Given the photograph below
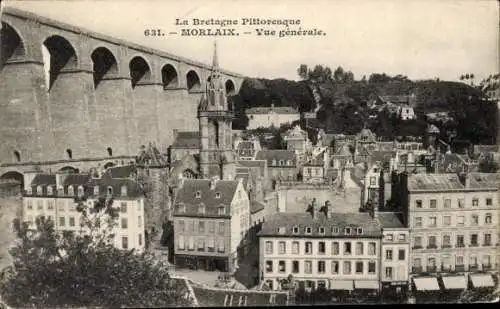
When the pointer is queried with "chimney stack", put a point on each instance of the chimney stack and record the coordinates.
(213, 182)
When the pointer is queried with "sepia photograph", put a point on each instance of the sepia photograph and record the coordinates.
(234, 153)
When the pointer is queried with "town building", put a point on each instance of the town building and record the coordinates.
(395, 252)
(321, 249)
(453, 221)
(211, 220)
(186, 143)
(274, 116)
(406, 112)
(247, 149)
(296, 140)
(281, 164)
(55, 197)
(315, 167)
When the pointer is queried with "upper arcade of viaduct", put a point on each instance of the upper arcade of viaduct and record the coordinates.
(69, 94)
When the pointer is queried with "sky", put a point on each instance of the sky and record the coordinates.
(417, 38)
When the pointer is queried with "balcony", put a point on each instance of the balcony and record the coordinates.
(432, 247)
(460, 268)
(431, 269)
(417, 269)
(473, 267)
(417, 247)
(460, 246)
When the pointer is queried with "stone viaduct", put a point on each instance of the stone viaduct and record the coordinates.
(69, 96)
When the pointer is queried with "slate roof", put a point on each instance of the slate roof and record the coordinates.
(151, 156)
(256, 206)
(451, 182)
(382, 155)
(370, 226)
(432, 129)
(343, 151)
(134, 189)
(44, 180)
(277, 154)
(391, 220)
(187, 139)
(187, 196)
(267, 110)
(125, 171)
(261, 164)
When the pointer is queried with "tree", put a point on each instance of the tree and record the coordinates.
(84, 268)
(303, 72)
(338, 74)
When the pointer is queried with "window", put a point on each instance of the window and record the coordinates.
(486, 260)
(461, 203)
(221, 227)
(432, 221)
(96, 190)
(180, 243)
(359, 248)
(222, 247)
(472, 260)
(347, 248)
(29, 204)
(39, 205)
(321, 230)
(360, 230)
(446, 241)
(309, 246)
(418, 203)
(447, 220)
(201, 244)
(373, 181)
(335, 230)
(460, 220)
(401, 254)
(295, 230)
(295, 247)
(282, 247)
(417, 242)
(372, 248)
(181, 225)
(39, 190)
(431, 242)
(308, 267)
(124, 223)
(308, 230)
(488, 219)
(217, 195)
(433, 204)
(418, 221)
(123, 207)
(211, 227)
(60, 205)
(321, 267)
(335, 267)
(371, 267)
(71, 191)
(335, 248)
(221, 211)
(72, 221)
(489, 201)
(321, 247)
(388, 272)
(389, 237)
(460, 241)
(447, 203)
(402, 237)
(50, 205)
(62, 221)
(475, 202)
(201, 227)
(139, 239)
(475, 220)
(473, 240)
(269, 266)
(388, 254)
(198, 194)
(417, 262)
(201, 209)
(282, 230)
(211, 245)
(459, 260)
(110, 190)
(295, 267)
(125, 242)
(269, 247)
(347, 231)
(359, 267)
(347, 268)
(487, 240)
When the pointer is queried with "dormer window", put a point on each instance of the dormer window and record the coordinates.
(110, 190)
(71, 191)
(60, 191)
(321, 230)
(50, 191)
(221, 210)
(217, 194)
(308, 230)
(347, 231)
(282, 162)
(80, 190)
(39, 190)
(96, 190)
(124, 191)
(274, 162)
(360, 231)
(29, 191)
(201, 209)
(335, 230)
(198, 194)
(295, 230)
(181, 208)
(281, 230)
(289, 162)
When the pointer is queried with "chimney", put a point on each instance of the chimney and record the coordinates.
(314, 209)
(464, 179)
(326, 209)
(213, 182)
(180, 178)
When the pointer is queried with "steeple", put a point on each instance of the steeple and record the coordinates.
(215, 59)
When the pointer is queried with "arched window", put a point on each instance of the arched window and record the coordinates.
(110, 151)
(50, 191)
(201, 209)
(60, 191)
(80, 190)
(96, 190)
(69, 153)
(110, 190)
(39, 190)
(124, 190)
(71, 191)
(17, 156)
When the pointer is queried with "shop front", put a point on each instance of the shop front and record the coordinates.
(454, 287)
(366, 290)
(426, 290)
(341, 290)
(481, 286)
(207, 263)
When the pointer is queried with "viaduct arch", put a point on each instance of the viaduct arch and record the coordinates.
(67, 93)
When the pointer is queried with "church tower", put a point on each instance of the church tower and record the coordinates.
(215, 120)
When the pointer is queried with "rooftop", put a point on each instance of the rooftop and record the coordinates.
(187, 139)
(151, 156)
(276, 154)
(275, 109)
(390, 220)
(124, 171)
(282, 224)
(256, 206)
(452, 182)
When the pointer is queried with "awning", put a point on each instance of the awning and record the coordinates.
(366, 285)
(426, 284)
(482, 280)
(345, 285)
(454, 282)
